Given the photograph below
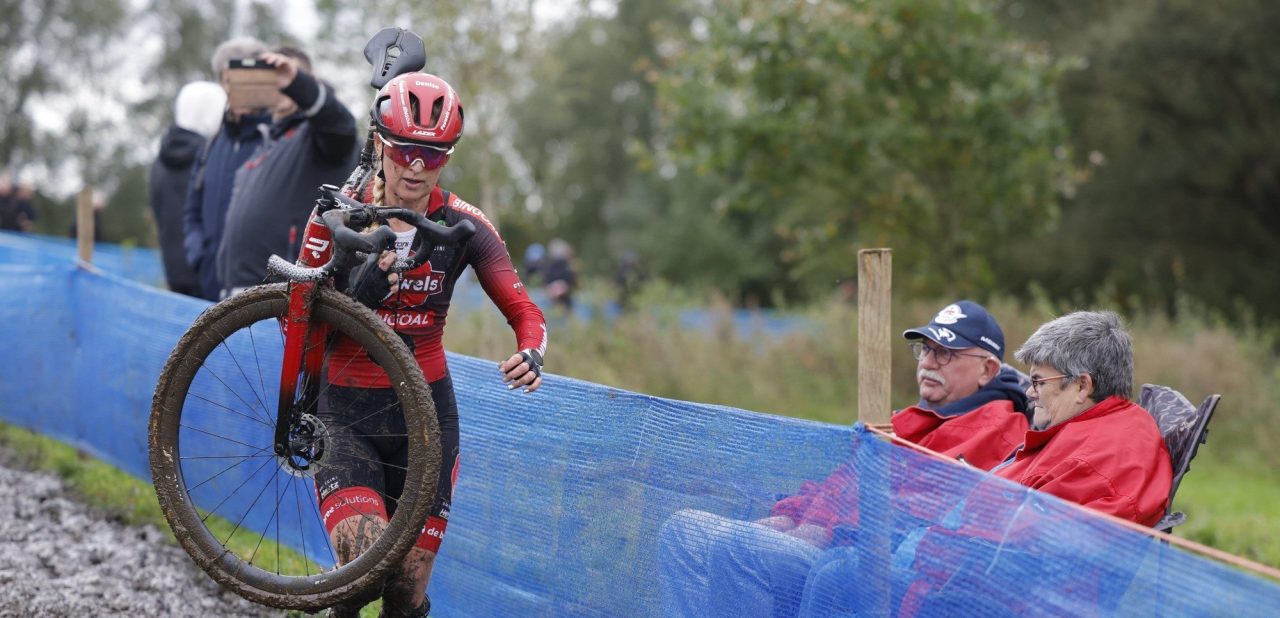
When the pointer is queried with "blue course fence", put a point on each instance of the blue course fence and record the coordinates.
(584, 500)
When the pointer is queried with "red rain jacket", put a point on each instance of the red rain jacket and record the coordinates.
(1111, 458)
(985, 436)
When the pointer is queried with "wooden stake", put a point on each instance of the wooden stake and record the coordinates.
(84, 224)
(875, 283)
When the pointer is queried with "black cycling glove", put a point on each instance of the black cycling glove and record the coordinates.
(534, 359)
(368, 283)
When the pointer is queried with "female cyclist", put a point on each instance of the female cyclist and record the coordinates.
(418, 120)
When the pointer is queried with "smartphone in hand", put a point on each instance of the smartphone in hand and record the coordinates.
(251, 84)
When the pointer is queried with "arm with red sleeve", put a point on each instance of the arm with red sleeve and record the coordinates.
(826, 505)
(497, 275)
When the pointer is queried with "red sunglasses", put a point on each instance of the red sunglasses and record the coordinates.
(406, 154)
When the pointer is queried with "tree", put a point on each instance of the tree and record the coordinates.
(480, 49)
(91, 100)
(1176, 115)
(921, 125)
(586, 124)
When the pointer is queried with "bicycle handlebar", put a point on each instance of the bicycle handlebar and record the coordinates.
(343, 215)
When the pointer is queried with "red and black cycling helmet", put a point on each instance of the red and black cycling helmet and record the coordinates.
(418, 108)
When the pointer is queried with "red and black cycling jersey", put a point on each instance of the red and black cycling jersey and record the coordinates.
(416, 307)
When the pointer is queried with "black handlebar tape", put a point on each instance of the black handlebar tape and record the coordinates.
(384, 238)
(346, 237)
(436, 233)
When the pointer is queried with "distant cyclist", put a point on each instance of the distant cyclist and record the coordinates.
(418, 120)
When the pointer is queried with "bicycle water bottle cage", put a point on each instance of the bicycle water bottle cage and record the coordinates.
(392, 52)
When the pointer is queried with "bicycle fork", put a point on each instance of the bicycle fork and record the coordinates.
(304, 347)
(303, 362)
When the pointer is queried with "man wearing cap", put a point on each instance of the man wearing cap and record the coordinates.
(971, 407)
(968, 397)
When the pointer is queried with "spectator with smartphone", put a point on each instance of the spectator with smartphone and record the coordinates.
(311, 141)
(197, 115)
(213, 175)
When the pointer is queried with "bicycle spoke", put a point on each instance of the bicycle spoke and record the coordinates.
(300, 532)
(248, 510)
(380, 462)
(306, 557)
(306, 351)
(315, 509)
(233, 391)
(224, 471)
(195, 457)
(245, 376)
(333, 377)
(257, 362)
(275, 479)
(222, 437)
(254, 419)
(369, 415)
(233, 492)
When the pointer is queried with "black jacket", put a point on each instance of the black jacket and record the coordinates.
(277, 187)
(209, 194)
(170, 174)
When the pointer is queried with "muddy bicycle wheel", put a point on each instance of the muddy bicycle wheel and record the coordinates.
(246, 512)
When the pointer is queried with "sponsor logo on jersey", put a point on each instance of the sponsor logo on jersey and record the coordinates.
(415, 287)
(408, 319)
(460, 205)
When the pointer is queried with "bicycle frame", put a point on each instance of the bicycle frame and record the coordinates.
(303, 341)
(327, 247)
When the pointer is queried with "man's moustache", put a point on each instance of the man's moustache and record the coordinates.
(932, 375)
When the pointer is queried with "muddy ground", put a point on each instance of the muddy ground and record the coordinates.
(58, 557)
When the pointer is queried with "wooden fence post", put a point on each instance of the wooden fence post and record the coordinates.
(84, 224)
(875, 282)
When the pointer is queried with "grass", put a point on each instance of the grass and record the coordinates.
(1232, 506)
(120, 495)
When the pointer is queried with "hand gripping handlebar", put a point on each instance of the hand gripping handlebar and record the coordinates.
(343, 216)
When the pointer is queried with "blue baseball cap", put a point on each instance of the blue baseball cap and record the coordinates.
(960, 325)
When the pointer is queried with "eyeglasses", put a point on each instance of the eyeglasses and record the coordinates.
(1036, 383)
(406, 155)
(940, 354)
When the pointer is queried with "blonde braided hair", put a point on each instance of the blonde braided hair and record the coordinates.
(379, 191)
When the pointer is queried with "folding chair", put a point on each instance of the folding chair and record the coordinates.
(1184, 427)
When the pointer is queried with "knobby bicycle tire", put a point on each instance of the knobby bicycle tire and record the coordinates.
(308, 591)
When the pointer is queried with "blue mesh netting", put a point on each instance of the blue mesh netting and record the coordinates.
(582, 500)
(139, 264)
